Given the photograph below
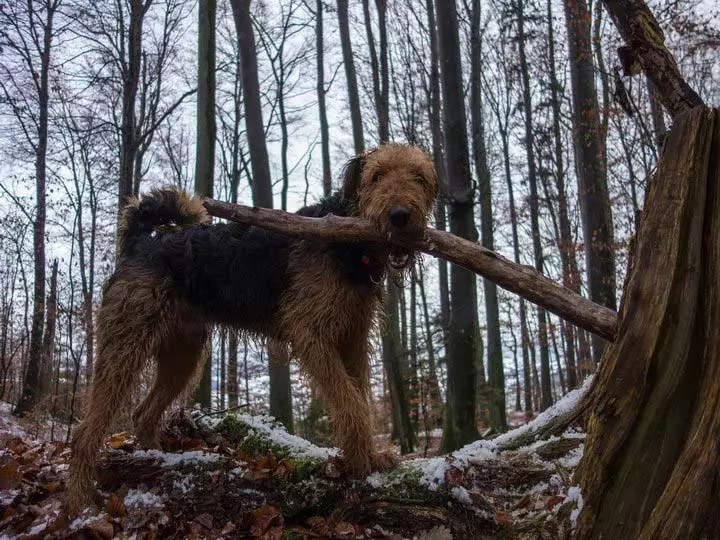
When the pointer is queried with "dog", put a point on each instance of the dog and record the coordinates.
(177, 275)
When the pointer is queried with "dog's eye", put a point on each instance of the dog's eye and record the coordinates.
(376, 177)
(419, 179)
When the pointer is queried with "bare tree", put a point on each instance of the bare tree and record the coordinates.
(27, 33)
(460, 410)
(278, 360)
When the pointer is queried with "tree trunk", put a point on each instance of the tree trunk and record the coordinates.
(322, 110)
(592, 177)
(131, 80)
(546, 394)
(205, 150)
(652, 450)
(433, 388)
(566, 245)
(393, 363)
(435, 119)
(279, 368)
(496, 371)
(460, 425)
(352, 86)
(30, 393)
(48, 345)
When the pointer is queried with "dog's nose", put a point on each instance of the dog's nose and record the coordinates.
(399, 216)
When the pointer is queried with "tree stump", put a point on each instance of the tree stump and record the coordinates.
(651, 467)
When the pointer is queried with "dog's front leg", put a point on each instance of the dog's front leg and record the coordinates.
(348, 401)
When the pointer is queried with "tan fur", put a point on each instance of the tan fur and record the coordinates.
(326, 322)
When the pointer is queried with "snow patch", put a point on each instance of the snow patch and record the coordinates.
(461, 494)
(171, 460)
(574, 494)
(142, 499)
(275, 433)
(433, 470)
(572, 459)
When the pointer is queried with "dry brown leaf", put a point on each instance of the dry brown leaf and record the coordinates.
(101, 527)
(115, 506)
(118, 440)
(553, 501)
(10, 476)
(501, 518)
(206, 520)
(343, 528)
(228, 528)
(453, 477)
(319, 526)
(263, 518)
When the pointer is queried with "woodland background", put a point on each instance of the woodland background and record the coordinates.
(103, 100)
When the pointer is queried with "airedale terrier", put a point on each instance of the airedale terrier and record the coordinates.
(177, 275)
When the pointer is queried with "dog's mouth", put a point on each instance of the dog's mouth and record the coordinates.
(399, 258)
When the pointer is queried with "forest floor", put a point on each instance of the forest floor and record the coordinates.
(244, 477)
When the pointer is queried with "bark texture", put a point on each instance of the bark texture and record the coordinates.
(650, 467)
(645, 50)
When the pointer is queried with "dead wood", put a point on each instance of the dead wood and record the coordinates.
(522, 280)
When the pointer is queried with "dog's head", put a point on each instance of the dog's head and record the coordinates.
(393, 186)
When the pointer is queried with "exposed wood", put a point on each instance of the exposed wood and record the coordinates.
(652, 455)
(645, 49)
(516, 278)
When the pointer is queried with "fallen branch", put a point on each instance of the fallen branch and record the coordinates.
(522, 280)
(645, 50)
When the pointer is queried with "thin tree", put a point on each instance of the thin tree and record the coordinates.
(278, 361)
(28, 34)
(352, 85)
(496, 371)
(205, 149)
(545, 387)
(591, 174)
(460, 425)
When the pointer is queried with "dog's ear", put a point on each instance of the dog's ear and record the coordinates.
(352, 176)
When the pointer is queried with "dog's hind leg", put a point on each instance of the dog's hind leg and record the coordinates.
(129, 330)
(177, 361)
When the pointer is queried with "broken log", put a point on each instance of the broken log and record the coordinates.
(645, 51)
(519, 279)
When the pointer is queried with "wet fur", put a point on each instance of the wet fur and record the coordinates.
(178, 275)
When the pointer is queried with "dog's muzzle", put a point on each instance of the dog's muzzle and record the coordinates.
(399, 216)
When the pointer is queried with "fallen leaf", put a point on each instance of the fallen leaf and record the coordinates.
(206, 520)
(115, 506)
(101, 527)
(501, 518)
(118, 440)
(522, 503)
(553, 501)
(319, 526)
(228, 528)
(453, 477)
(263, 518)
(10, 476)
(343, 528)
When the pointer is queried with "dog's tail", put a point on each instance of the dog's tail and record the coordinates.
(168, 207)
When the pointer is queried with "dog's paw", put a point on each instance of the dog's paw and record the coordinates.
(383, 461)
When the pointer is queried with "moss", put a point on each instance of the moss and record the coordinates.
(401, 482)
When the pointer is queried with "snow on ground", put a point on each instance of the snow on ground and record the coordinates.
(267, 427)
(142, 499)
(433, 470)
